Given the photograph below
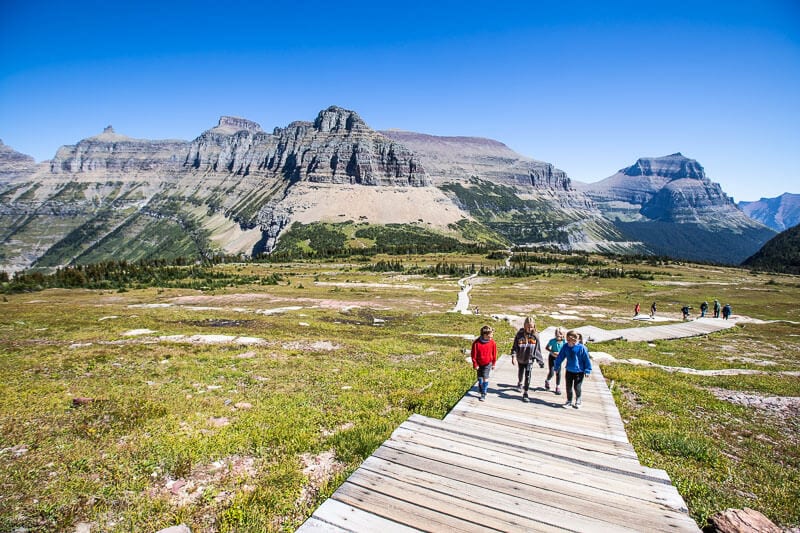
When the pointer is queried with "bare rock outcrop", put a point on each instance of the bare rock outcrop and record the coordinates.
(13, 164)
(740, 521)
(338, 147)
(460, 158)
(113, 154)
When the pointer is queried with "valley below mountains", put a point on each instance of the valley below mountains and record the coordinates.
(336, 184)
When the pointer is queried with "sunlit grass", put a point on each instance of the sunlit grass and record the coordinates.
(340, 374)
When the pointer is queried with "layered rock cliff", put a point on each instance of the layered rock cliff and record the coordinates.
(338, 147)
(671, 204)
(456, 158)
(113, 154)
(235, 189)
(14, 164)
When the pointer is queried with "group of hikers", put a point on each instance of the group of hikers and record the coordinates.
(527, 349)
(726, 310)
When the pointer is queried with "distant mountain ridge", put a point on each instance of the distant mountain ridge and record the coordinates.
(236, 189)
(780, 213)
(671, 204)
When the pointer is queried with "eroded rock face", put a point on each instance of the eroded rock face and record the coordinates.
(674, 166)
(338, 147)
(672, 188)
(459, 158)
(115, 154)
(779, 213)
(14, 164)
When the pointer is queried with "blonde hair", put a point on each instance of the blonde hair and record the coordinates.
(532, 321)
(559, 331)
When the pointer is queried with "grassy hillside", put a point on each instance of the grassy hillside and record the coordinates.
(779, 254)
(208, 403)
(696, 242)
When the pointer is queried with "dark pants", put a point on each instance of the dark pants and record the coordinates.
(550, 361)
(574, 379)
(524, 374)
(483, 377)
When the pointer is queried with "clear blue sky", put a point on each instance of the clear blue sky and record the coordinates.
(587, 86)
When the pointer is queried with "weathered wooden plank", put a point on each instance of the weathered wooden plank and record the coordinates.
(563, 419)
(553, 468)
(336, 516)
(554, 424)
(521, 442)
(480, 505)
(529, 492)
(398, 509)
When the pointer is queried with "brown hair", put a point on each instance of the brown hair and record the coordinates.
(485, 330)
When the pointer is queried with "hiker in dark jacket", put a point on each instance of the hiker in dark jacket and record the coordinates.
(525, 349)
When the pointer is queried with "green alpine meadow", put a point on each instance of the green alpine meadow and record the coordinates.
(237, 396)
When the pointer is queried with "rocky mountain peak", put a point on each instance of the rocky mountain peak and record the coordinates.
(14, 164)
(673, 166)
(336, 120)
(230, 125)
(109, 135)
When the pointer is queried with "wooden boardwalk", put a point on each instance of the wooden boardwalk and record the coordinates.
(505, 465)
(676, 330)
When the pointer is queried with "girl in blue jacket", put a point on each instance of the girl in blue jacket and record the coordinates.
(578, 365)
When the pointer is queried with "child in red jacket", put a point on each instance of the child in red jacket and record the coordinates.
(484, 358)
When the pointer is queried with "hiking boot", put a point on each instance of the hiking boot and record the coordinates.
(546, 384)
(558, 391)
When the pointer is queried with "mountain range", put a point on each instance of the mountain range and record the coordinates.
(236, 189)
(779, 213)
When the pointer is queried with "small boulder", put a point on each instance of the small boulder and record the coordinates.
(182, 528)
(79, 401)
(740, 521)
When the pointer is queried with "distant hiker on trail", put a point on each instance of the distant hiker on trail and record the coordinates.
(524, 350)
(553, 348)
(484, 358)
(685, 311)
(703, 309)
(578, 366)
(637, 309)
(716, 308)
(726, 311)
(653, 310)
